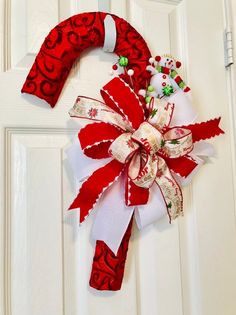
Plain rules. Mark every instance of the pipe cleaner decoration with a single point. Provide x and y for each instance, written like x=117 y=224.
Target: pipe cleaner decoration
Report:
x=141 y=143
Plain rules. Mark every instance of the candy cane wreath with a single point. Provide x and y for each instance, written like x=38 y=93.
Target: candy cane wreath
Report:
x=144 y=128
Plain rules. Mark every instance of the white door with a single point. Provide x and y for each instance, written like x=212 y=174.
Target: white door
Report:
x=188 y=267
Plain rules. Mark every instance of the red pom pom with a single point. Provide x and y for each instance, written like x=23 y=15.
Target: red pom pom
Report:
x=178 y=64
x=158 y=58
x=114 y=67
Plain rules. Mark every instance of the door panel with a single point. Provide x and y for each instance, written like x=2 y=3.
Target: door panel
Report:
x=187 y=267
x=36 y=259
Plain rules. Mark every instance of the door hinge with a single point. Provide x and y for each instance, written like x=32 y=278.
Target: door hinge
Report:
x=229 y=49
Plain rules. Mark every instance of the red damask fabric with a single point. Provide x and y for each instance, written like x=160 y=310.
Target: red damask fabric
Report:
x=69 y=39
x=108 y=268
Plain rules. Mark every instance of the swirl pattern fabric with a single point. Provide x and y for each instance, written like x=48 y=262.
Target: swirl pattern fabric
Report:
x=69 y=39
x=108 y=268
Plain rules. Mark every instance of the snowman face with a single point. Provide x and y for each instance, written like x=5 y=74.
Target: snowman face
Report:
x=168 y=62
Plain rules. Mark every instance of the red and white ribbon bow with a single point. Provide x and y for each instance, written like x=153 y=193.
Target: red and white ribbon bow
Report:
x=143 y=144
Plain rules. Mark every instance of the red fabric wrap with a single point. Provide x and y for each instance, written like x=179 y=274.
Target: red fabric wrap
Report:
x=108 y=268
x=65 y=43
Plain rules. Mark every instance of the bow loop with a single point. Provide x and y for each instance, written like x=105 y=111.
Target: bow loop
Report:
x=143 y=169
x=91 y=109
x=123 y=148
x=160 y=113
x=170 y=190
x=148 y=137
x=122 y=98
x=177 y=142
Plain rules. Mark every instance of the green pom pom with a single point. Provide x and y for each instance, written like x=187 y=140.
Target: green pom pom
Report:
x=150 y=88
x=123 y=61
x=148 y=99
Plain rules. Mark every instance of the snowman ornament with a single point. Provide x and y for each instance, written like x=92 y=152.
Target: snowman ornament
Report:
x=165 y=79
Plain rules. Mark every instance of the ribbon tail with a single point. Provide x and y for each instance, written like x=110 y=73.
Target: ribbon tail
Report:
x=205 y=130
x=108 y=269
x=135 y=195
x=153 y=211
x=170 y=190
x=92 y=189
x=112 y=216
x=184 y=181
x=182 y=166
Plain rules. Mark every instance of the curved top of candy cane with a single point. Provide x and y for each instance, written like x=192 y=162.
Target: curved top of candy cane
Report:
x=69 y=39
